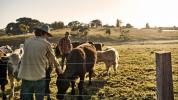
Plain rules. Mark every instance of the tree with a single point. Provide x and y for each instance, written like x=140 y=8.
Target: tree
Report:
x=118 y=23
x=57 y=25
x=22 y=25
x=147 y=26
x=95 y=23
x=12 y=28
x=31 y=23
x=73 y=24
x=81 y=29
x=23 y=28
x=128 y=25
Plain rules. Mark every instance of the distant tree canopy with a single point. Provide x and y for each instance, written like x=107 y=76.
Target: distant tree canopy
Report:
x=31 y=23
x=128 y=25
x=108 y=26
x=22 y=25
x=96 y=23
x=81 y=29
x=73 y=24
x=57 y=25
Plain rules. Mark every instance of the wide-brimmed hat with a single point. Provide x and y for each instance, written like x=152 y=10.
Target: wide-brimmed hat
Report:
x=46 y=29
x=67 y=33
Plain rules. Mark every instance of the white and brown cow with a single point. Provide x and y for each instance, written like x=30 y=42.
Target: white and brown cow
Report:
x=109 y=56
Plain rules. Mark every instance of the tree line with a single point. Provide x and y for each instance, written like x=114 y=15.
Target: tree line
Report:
x=25 y=25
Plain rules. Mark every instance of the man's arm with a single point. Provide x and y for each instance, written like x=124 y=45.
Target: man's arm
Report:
x=52 y=59
x=70 y=45
x=59 y=46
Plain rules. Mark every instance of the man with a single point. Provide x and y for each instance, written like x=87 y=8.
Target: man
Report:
x=37 y=56
x=65 y=47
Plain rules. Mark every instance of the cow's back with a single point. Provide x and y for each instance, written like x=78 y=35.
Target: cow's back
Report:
x=90 y=52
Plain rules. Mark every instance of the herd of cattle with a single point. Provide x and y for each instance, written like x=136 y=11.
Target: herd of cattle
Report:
x=81 y=60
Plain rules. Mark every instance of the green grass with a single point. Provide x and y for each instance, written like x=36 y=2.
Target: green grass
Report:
x=136 y=76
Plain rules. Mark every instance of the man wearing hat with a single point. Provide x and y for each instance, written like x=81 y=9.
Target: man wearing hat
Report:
x=65 y=47
x=37 y=55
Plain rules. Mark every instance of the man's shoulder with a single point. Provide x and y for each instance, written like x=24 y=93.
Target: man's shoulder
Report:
x=29 y=39
x=42 y=40
x=45 y=41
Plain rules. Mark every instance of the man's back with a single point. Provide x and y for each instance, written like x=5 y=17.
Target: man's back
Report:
x=34 y=59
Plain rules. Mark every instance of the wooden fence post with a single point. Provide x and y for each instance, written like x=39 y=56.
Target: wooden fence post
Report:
x=164 y=76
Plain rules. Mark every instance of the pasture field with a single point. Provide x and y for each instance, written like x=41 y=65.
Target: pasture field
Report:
x=136 y=36
x=135 y=79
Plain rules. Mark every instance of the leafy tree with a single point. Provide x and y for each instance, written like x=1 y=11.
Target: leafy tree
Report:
x=73 y=24
x=57 y=25
x=22 y=25
x=31 y=23
x=81 y=29
x=96 y=23
x=12 y=28
x=128 y=25
x=23 y=28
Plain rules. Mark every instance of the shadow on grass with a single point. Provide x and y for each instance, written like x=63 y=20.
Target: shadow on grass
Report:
x=90 y=92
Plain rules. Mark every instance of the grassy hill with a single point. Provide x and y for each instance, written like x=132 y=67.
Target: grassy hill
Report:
x=134 y=36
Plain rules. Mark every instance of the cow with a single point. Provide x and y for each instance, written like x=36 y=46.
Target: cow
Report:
x=80 y=61
x=98 y=47
x=75 y=44
x=4 y=52
x=3 y=75
x=13 y=66
x=109 y=56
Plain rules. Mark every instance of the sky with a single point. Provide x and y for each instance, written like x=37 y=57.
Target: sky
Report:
x=136 y=12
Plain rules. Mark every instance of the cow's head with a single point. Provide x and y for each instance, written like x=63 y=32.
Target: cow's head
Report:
x=62 y=86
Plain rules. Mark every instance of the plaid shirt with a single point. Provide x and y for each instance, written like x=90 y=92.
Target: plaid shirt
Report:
x=65 y=45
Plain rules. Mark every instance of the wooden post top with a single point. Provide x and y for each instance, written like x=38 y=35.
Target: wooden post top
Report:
x=162 y=52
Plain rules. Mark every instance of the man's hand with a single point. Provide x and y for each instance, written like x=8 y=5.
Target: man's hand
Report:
x=59 y=70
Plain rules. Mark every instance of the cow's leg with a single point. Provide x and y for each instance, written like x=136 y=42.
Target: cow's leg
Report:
x=73 y=87
x=107 y=67
x=115 y=65
x=3 y=92
x=80 y=87
x=90 y=75
x=11 y=79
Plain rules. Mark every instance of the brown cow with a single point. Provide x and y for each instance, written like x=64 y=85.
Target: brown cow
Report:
x=81 y=60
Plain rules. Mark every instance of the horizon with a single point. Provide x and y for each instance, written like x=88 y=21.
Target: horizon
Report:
x=160 y=13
